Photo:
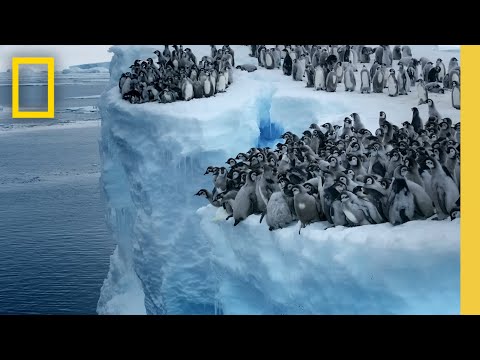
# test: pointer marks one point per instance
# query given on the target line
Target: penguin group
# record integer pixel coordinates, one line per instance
(326, 66)
(176, 75)
(346, 175)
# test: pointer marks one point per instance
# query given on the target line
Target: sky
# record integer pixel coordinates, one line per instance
(68, 55)
(65, 55)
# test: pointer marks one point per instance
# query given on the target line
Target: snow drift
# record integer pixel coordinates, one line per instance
(175, 255)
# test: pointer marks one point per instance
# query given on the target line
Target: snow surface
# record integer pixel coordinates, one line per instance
(175, 255)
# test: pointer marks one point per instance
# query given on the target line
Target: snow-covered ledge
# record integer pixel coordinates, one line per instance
(174, 255)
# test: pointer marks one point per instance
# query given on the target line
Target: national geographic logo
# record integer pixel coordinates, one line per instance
(50, 62)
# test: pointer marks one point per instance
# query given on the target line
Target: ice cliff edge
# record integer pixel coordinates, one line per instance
(174, 256)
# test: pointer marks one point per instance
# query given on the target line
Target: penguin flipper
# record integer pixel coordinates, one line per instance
(261, 217)
(442, 196)
(403, 216)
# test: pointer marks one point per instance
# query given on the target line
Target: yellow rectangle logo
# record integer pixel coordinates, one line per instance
(50, 62)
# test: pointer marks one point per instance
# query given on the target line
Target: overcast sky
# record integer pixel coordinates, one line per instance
(65, 55)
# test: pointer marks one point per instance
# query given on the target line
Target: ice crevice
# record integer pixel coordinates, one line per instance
(177, 255)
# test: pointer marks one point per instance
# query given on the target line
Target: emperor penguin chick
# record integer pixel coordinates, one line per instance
(355, 213)
(305, 206)
(279, 214)
(245, 200)
(444, 190)
(401, 203)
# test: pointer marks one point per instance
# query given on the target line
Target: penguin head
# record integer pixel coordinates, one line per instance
(359, 191)
(351, 174)
(452, 152)
(344, 197)
(383, 115)
(343, 179)
(308, 187)
(430, 102)
(454, 83)
(235, 174)
(352, 160)
(369, 180)
(385, 183)
(296, 189)
(252, 176)
(430, 163)
(201, 192)
(339, 186)
(403, 170)
(333, 161)
(455, 213)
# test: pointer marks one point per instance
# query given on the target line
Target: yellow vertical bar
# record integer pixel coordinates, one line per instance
(470, 199)
(51, 87)
(15, 80)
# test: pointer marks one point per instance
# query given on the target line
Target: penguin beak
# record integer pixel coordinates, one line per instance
(206, 172)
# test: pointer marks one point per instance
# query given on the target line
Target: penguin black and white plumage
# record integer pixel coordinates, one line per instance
(365, 84)
(319, 80)
(453, 63)
(379, 54)
(392, 84)
(221, 82)
(166, 52)
(287, 64)
(397, 53)
(269, 60)
(187, 89)
(277, 58)
(412, 74)
(245, 200)
(403, 81)
(331, 82)
(349, 80)
(208, 89)
(355, 213)
(377, 81)
(454, 75)
(387, 56)
(421, 92)
(357, 122)
(442, 72)
(406, 51)
(297, 70)
(455, 95)
(432, 111)
(401, 203)
(279, 212)
(426, 70)
(432, 75)
(417, 122)
(198, 89)
(305, 206)
(339, 71)
(444, 190)
(310, 72)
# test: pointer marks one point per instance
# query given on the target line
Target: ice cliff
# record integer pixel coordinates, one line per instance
(175, 255)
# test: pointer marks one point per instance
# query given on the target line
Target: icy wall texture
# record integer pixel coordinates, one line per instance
(174, 256)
